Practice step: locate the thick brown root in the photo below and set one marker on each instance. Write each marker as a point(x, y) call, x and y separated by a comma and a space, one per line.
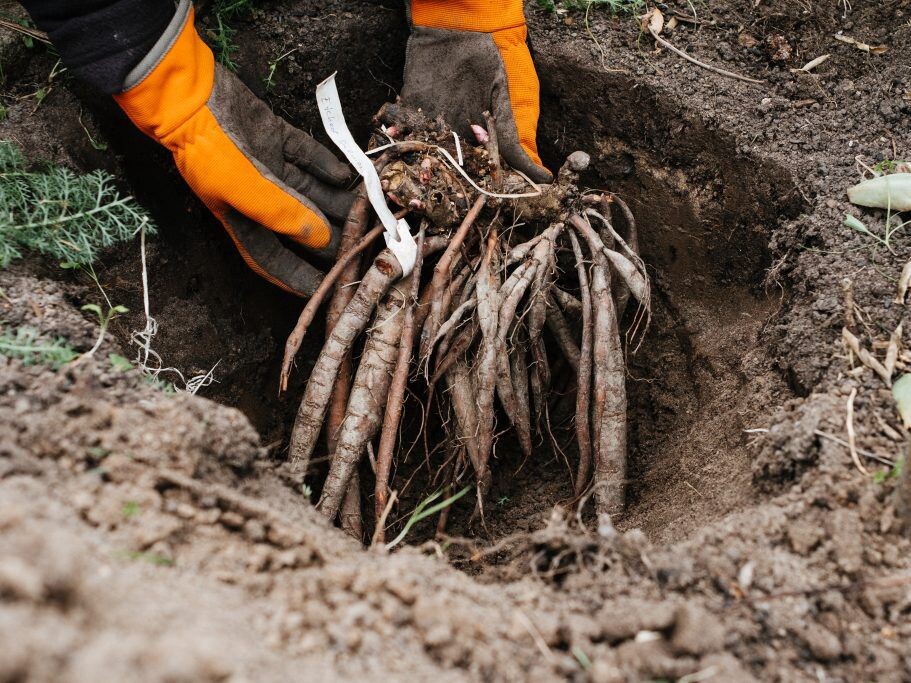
point(462, 399)
point(512, 292)
point(442, 272)
point(385, 270)
point(583, 385)
point(396, 398)
point(609, 403)
point(559, 327)
point(485, 376)
point(472, 334)
point(355, 226)
point(368, 398)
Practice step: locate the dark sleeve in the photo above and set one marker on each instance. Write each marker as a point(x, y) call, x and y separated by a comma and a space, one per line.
point(101, 40)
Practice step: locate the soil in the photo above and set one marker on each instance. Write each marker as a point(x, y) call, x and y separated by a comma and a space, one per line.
point(147, 536)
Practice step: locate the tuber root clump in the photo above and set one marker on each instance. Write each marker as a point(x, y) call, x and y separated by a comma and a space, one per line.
point(512, 280)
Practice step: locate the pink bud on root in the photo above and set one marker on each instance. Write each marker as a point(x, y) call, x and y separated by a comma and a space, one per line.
point(480, 133)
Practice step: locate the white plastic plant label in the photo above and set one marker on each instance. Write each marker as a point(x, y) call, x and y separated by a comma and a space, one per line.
point(398, 238)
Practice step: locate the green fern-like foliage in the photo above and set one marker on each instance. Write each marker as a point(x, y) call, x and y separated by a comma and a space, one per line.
point(70, 217)
point(25, 344)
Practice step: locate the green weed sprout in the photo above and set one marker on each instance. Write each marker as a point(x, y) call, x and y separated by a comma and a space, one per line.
point(886, 240)
point(422, 511)
point(223, 35)
point(269, 80)
point(104, 320)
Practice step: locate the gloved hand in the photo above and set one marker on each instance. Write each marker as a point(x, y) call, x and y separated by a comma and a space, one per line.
point(466, 57)
point(257, 174)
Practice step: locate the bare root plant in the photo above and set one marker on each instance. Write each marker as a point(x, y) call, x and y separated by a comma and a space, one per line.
point(510, 277)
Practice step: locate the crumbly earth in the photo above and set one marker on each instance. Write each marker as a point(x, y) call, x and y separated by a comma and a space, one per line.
point(146, 536)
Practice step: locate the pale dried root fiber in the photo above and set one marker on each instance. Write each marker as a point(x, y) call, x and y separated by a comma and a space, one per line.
point(523, 282)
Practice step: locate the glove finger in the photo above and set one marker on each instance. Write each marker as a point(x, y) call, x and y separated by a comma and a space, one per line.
point(516, 105)
point(306, 153)
point(263, 198)
point(332, 201)
point(510, 147)
point(269, 258)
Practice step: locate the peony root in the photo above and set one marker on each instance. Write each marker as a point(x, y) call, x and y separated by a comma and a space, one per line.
point(473, 332)
point(583, 391)
point(367, 399)
point(396, 397)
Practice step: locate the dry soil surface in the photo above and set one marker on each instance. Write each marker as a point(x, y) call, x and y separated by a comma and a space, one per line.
point(149, 536)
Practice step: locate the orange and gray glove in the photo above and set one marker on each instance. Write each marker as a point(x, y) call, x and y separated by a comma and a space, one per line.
point(466, 57)
point(260, 176)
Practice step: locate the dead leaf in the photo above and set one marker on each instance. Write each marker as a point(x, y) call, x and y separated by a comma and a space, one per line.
point(653, 21)
point(672, 23)
point(895, 342)
point(903, 283)
point(780, 49)
point(747, 41)
point(863, 47)
point(812, 64)
point(865, 357)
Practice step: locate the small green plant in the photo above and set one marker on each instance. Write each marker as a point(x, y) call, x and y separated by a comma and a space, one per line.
point(582, 658)
point(234, 8)
point(68, 216)
point(269, 80)
point(120, 363)
point(160, 384)
point(885, 240)
point(131, 509)
point(151, 558)
point(96, 144)
point(104, 320)
point(98, 452)
point(222, 36)
point(422, 511)
point(105, 316)
point(23, 343)
point(882, 476)
point(887, 166)
point(223, 41)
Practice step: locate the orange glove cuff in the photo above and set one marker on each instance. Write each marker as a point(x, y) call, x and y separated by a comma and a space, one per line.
point(170, 104)
point(524, 88)
point(483, 16)
point(175, 89)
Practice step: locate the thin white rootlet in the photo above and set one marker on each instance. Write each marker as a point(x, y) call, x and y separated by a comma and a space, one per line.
point(143, 339)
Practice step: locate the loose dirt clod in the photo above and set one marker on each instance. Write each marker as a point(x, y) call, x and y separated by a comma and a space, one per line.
point(510, 252)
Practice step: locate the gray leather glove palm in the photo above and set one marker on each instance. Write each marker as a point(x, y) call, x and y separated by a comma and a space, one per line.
point(260, 176)
point(466, 57)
